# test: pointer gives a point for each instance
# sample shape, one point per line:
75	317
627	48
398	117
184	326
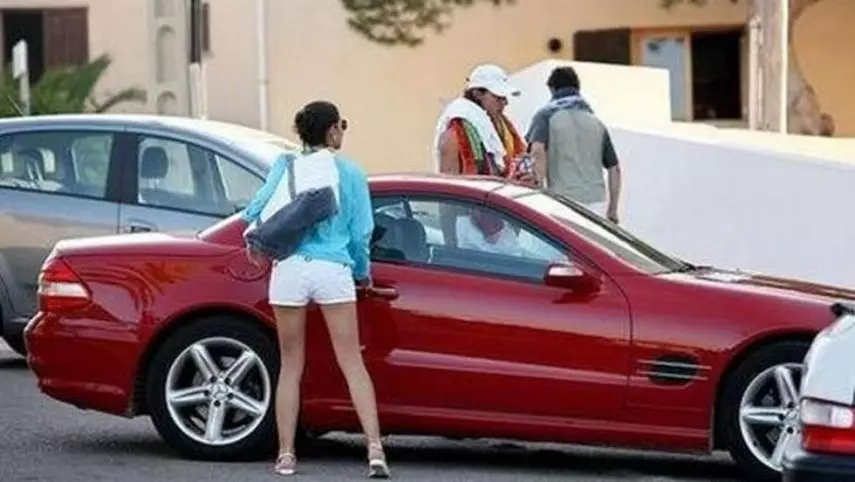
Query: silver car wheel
217	391
769	412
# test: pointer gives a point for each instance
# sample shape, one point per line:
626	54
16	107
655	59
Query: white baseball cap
493	78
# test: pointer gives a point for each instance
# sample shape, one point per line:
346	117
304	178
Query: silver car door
54	184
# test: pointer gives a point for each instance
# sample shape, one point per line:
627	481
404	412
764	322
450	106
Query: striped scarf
474	160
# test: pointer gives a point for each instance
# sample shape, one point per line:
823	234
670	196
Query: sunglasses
343	124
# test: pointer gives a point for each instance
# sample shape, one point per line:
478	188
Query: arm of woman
253	210
361	223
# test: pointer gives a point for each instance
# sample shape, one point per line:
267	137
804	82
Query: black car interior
404	240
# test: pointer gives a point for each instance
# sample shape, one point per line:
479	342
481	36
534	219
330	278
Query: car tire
747	381
184	428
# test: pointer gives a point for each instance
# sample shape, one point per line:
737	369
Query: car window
179	175
600	232
91	155
239	184
63	162
419	231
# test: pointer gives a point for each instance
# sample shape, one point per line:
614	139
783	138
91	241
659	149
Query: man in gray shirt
570	148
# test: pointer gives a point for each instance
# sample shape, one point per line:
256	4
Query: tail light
827	427
60	289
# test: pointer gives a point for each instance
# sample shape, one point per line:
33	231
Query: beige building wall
231	67
120	28
393	95
823	40
147	40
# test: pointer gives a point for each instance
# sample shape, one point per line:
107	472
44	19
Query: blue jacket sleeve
253	210
361	222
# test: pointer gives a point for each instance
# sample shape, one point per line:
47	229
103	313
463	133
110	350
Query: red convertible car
559	326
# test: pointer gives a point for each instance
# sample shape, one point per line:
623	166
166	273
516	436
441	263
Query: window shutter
610	46
66	35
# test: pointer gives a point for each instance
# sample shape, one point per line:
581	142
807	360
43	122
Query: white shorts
298	280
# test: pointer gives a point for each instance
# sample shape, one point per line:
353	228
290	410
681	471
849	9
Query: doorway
27	25
705	68
717	75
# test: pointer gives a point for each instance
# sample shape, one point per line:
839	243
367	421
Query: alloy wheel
217	391
769	412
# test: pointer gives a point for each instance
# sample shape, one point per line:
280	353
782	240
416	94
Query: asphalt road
44	440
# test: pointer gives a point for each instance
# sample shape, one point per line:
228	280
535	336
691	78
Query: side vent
673	369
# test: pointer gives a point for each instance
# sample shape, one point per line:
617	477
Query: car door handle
137	228
385	293
377	292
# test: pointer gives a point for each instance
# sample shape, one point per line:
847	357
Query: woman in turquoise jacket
333	257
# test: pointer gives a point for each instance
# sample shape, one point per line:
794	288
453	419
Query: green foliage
66	91
404	22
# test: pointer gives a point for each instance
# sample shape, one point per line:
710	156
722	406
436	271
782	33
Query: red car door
475	335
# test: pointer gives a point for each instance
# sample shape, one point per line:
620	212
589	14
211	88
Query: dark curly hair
314	120
562	77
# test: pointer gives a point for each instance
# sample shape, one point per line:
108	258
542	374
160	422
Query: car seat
412	239
384	240
154	165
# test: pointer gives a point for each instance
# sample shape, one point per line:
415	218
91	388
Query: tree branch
671	3
404	22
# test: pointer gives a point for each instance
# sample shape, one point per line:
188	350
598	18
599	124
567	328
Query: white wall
732	198
617	93
712	201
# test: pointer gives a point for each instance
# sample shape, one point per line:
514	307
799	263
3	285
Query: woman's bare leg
341	320
291	328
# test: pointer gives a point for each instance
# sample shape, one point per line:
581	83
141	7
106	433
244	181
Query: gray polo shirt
578	148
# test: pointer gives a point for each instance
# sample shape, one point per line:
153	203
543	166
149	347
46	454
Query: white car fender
829	373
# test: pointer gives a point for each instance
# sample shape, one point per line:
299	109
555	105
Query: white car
822	446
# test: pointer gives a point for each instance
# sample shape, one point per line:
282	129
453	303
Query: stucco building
258	69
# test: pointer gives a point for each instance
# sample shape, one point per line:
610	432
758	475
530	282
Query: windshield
603	233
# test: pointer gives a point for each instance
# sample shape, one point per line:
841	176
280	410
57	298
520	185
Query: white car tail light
827	427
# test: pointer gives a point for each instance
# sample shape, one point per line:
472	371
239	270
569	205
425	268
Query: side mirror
572	277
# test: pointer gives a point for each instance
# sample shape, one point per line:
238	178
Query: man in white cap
473	136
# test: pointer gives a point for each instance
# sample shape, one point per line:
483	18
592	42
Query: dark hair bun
314	120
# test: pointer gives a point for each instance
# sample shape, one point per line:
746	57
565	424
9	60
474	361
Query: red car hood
771	285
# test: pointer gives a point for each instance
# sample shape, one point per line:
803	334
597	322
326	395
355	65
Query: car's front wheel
211	390
759	411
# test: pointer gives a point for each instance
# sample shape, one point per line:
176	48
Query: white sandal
286	464
377	466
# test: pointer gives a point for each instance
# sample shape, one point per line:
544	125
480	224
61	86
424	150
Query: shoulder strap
291	188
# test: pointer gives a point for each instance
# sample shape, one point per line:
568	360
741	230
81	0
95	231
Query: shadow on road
137	446
482	455
512	456
12	362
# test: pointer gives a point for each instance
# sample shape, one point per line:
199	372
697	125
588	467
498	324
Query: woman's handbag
281	233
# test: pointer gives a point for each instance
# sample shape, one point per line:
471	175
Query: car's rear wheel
759	411
211	390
